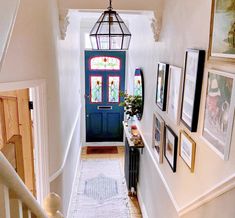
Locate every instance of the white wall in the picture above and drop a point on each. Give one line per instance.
(222, 206)
(8, 12)
(36, 52)
(186, 24)
(70, 106)
(31, 55)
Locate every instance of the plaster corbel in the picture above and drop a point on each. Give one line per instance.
(156, 25)
(63, 22)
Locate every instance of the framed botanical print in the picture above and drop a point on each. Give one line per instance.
(174, 93)
(161, 91)
(219, 111)
(170, 148)
(222, 36)
(193, 74)
(187, 149)
(158, 136)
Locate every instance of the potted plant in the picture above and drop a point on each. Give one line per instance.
(132, 105)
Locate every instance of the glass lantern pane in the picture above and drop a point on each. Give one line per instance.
(116, 42)
(104, 63)
(96, 89)
(124, 28)
(93, 42)
(126, 42)
(103, 42)
(113, 17)
(94, 29)
(137, 85)
(104, 28)
(105, 17)
(115, 28)
(114, 86)
(101, 17)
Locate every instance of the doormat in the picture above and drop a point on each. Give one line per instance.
(100, 191)
(102, 150)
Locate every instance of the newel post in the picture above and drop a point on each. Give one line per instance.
(52, 205)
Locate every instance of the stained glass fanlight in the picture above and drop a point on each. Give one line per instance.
(110, 32)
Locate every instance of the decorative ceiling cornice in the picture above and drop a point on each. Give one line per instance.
(156, 26)
(63, 22)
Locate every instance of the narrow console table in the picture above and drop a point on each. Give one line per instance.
(132, 157)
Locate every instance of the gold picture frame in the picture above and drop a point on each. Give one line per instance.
(187, 150)
(222, 31)
(158, 136)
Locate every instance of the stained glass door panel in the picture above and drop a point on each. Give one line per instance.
(96, 89)
(114, 89)
(104, 79)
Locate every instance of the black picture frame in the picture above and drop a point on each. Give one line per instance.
(161, 88)
(171, 147)
(193, 76)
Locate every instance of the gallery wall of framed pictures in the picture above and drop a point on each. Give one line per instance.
(178, 95)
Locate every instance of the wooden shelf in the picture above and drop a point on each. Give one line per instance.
(129, 137)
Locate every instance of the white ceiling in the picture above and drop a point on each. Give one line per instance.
(130, 5)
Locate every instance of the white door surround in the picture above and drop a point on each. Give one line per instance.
(38, 92)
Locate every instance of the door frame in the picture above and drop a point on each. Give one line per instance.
(84, 30)
(40, 131)
(83, 77)
(91, 107)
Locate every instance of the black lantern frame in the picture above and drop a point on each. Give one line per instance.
(110, 32)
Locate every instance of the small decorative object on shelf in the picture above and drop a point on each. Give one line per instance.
(137, 140)
(133, 135)
(134, 130)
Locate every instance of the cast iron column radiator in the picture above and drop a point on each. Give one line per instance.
(132, 156)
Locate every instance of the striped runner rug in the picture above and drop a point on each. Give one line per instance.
(100, 191)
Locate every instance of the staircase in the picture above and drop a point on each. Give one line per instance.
(16, 201)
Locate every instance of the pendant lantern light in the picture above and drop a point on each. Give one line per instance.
(110, 32)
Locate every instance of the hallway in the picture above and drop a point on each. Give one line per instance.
(99, 158)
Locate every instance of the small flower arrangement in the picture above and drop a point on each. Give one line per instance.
(132, 104)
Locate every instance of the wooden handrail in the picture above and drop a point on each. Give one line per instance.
(10, 178)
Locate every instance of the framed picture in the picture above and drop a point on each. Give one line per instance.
(222, 36)
(174, 93)
(219, 111)
(170, 148)
(193, 74)
(158, 136)
(161, 92)
(187, 149)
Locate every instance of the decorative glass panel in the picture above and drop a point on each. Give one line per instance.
(96, 89)
(138, 86)
(105, 63)
(114, 84)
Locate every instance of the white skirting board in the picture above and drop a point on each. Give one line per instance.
(141, 203)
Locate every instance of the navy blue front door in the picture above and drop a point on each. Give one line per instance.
(104, 79)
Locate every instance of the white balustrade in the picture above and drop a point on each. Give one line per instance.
(10, 181)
